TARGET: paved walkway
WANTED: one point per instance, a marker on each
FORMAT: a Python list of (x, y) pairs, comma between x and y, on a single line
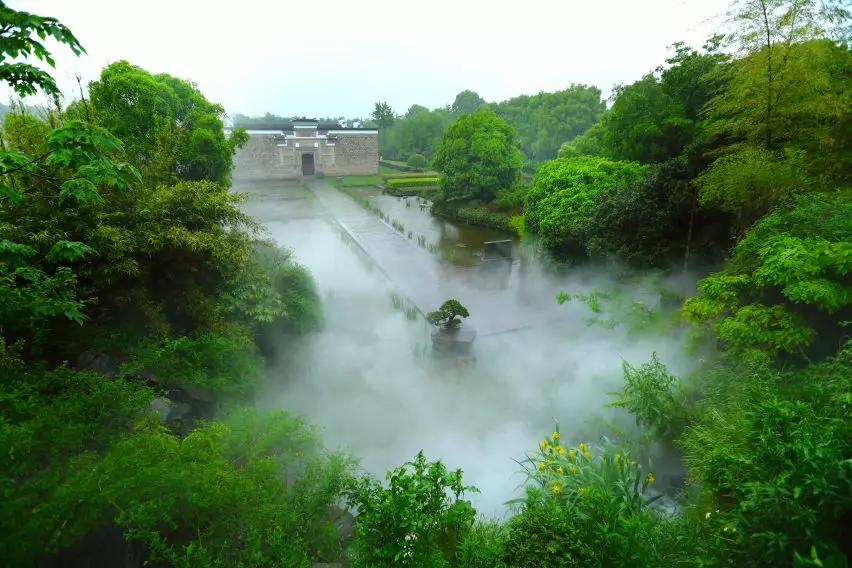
[(495, 298)]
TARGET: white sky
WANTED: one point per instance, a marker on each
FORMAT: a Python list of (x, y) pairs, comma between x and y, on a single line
[(337, 57)]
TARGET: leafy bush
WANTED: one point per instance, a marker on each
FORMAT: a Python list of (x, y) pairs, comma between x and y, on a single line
[(417, 162), (787, 282), (224, 360), (217, 497), (772, 450), (483, 547), (655, 221), (583, 509), (655, 398), (563, 195), (420, 519)]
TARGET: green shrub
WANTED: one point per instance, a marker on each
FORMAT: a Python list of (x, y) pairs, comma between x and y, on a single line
[(772, 449), (223, 360), (655, 398), (483, 547), (417, 162), (217, 497), (597, 501), (563, 195), (419, 520)]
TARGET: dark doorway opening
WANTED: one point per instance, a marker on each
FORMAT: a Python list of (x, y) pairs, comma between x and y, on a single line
[(307, 164)]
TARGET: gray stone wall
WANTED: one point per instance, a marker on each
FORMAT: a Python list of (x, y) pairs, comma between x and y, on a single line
[(262, 157), (356, 155)]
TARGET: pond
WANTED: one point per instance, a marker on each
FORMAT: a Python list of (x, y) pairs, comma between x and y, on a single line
[(369, 382), (459, 243)]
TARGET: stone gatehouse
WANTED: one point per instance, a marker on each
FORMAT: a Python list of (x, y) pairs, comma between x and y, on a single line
[(306, 147)]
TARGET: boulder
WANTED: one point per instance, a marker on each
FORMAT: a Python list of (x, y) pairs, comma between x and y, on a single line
[(168, 410), (96, 361)]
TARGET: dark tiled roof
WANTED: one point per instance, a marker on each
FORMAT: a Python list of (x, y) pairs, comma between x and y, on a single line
[(289, 127)]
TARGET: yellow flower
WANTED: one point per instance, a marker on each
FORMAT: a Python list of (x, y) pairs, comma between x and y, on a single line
[(582, 447), (572, 469), (556, 488), (542, 444), (587, 453), (580, 490), (541, 466), (560, 450), (555, 435), (560, 470), (617, 456), (571, 454), (649, 479)]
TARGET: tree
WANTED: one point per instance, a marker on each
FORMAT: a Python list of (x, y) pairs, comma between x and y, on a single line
[(446, 315), (786, 284), (655, 220), (655, 118), (383, 115), (478, 156), (466, 102), (563, 195), (167, 125), (16, 40), (547, 120), (417, 162)]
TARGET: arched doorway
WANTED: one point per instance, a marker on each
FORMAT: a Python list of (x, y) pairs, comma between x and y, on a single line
[(307, 164)]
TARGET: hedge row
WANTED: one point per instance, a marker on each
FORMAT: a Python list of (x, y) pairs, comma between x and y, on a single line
[(395, 166), (412, 182), (473, 216), (408, 175)]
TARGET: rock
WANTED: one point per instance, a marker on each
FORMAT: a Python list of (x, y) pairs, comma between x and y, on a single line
[(343, 522), (192, 392), (142, 376), (457, 340), (97, 362), (168, 410)]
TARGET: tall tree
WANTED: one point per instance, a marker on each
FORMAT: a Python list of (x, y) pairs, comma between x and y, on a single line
[(466, 102), (383, 115), (478, 156)]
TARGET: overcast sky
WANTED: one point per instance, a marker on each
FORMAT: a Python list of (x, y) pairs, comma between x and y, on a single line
[(337, 57)]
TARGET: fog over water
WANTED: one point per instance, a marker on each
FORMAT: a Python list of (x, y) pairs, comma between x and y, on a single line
[(366, 381)]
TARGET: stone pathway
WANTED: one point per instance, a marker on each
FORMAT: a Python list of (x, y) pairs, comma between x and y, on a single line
[(496, 299)]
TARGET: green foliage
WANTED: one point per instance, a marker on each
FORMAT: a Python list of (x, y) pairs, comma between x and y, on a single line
[(583, 509), (547, 120), (166, 124), (478, 157), (418, 520), (787, 281), (16, 31), (407, 182), (223, 361), (383, 115), (472, 214), (483, 546), (772, 448), (466, 102), (655, 398), (656, 220), (216, 497), (53, 429), (655, 118), (417, 162), (446, 315), (563, 196)]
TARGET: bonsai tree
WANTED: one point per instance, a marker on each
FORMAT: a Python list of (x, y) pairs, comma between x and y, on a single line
[(417, 162), (446, 315)]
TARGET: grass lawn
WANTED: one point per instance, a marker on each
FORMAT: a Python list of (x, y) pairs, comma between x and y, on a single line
[(387, 170), (357, 181)]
